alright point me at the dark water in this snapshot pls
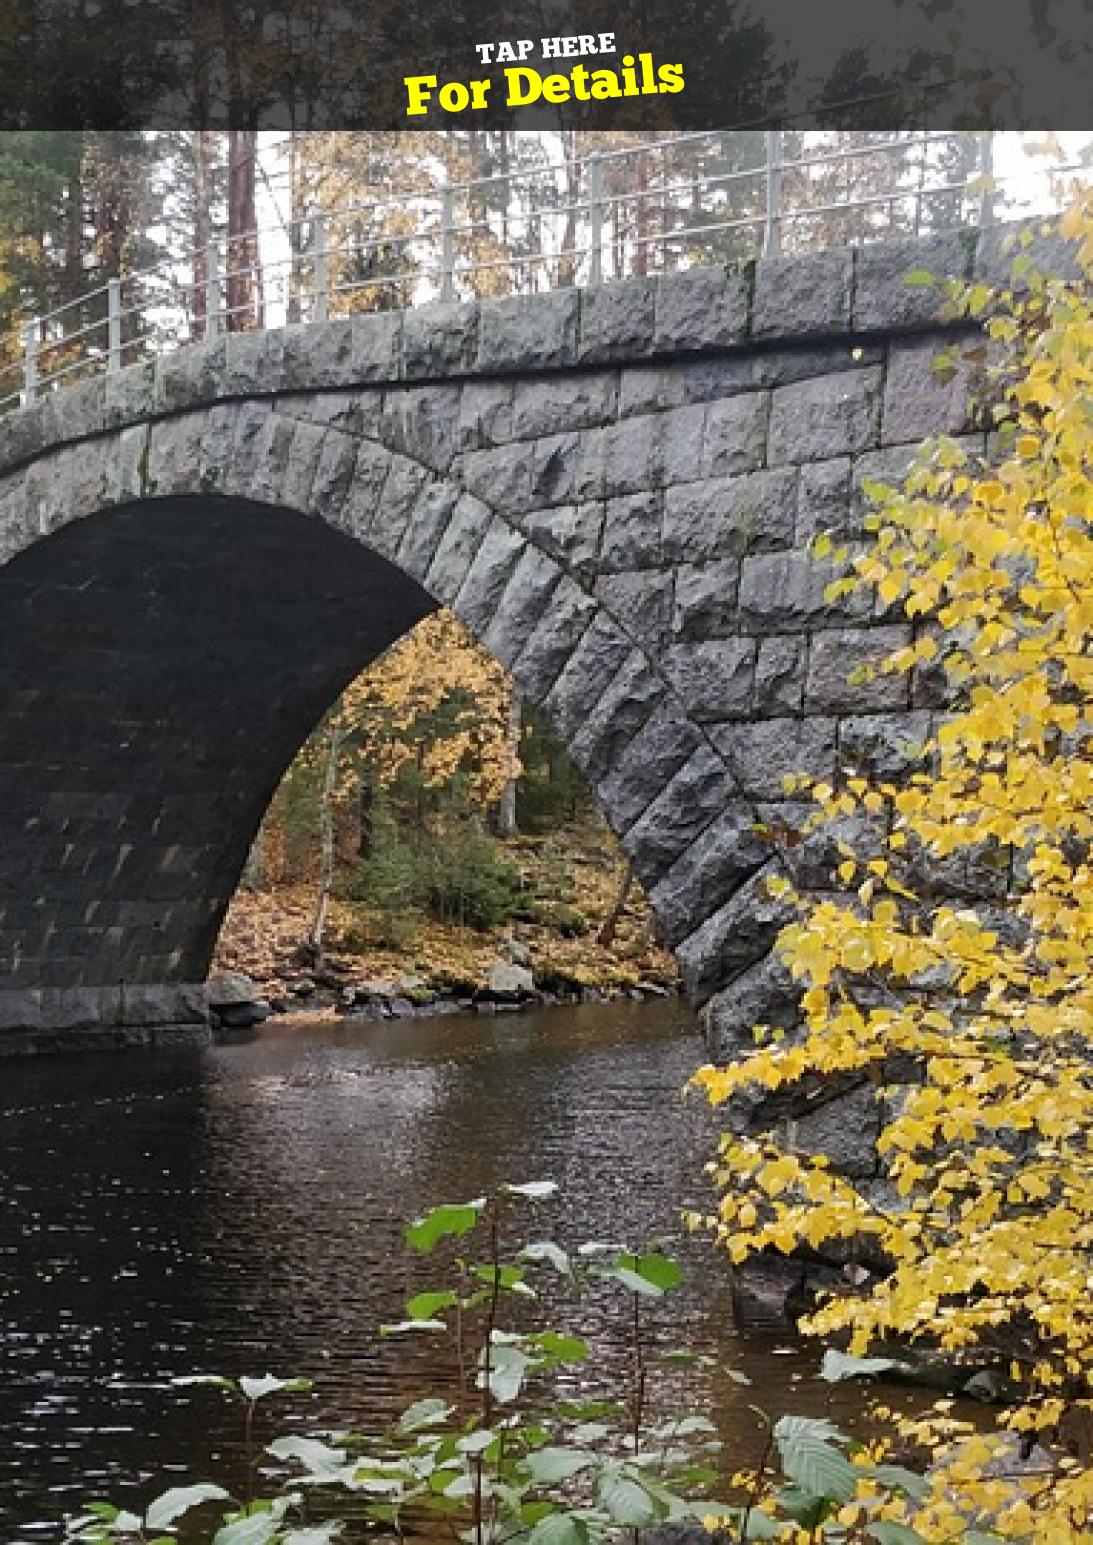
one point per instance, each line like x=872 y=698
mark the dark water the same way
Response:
x=240 y=1211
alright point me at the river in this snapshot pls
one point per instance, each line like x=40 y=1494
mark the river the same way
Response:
x=239 y=1210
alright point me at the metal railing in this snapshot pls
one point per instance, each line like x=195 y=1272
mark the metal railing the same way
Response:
x=711 y=196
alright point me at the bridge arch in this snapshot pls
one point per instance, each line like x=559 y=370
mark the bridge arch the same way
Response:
x=220 y=578
x=614 y=489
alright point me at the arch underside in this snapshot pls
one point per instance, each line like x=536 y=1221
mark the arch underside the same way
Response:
x=160 y=665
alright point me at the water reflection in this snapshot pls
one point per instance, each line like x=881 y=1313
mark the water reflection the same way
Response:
x=241 y=1209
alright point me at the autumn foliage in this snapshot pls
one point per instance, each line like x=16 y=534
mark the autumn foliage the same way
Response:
x=950 y=971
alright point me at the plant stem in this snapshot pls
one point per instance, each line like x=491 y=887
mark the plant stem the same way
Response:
x=758 y=1487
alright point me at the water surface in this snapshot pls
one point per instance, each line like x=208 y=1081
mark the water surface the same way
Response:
x=240 y=1210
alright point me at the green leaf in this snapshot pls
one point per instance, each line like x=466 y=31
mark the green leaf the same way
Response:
x=554 y=1255
x=180 y=1499
x=559 y=1529
x=919 y=278
x=476 y=1442
x=400 y=1327
x=258 y=1389
x=838 y=1366
x=809 y=1457
x=633 y=1281
x=424 y=1306
x=533 y=1190
x=443 y=1221
x=508 y=1366
x=887 y=1533
x=424 y=1413
x=560 y=1348
x=509 y=1278
x=628 y=1503
x=897 y=1478
x=659 y=1269
x=320 y=1460
x=258 y=1529
x=550 y=1465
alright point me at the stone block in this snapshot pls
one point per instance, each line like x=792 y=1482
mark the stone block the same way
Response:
x=702 y=308
x=1000 y=245
x=528 y=332
x=478 y=597
x=632 y=532
x=422 y=422
x=547 y=649
x=826 y=417
x=633 y=459
x=780 y=675
x=803 y=295
x=501 y=476
x=730 y=516
x=486 y=414
x=764 y=994
x=920 y=402
x=554 y=461
x=616 y=320
x=675 y=383
x=552 y=403
x=589 y=672
x=709 y=870
x=697 y=793
x=838 y=654
x=885 y=302
x=425 y=528
x=569 y=532
x=645 y=765
x=706 y=599
x=618 y=716
x=882 y=745
x=735 y=435
x=781 y=592
x=642 y=604
x=714 y=678
x=439 y=340
x=466 y=528
x=527 y=602
x=823 y=501
x=763 y=753
x=738 y=934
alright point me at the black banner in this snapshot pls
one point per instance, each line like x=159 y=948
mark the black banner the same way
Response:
x=610 y=64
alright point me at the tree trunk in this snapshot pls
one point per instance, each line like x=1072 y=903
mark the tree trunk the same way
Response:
x=326 y=841
x=245 y=310
x=506 y=808
x=203 y=226
x=606 y=936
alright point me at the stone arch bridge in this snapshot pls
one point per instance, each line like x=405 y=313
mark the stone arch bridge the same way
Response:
x=614 y=488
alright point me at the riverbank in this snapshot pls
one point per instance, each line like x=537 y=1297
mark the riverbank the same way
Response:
x=580 y=934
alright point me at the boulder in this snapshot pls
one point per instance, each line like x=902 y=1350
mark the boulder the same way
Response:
x=227 y=988
x=507 y=980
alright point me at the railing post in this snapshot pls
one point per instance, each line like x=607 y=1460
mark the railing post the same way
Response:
x=212 y=291
x=30 y=363
x=986 y=174
x=318 y=259
x=595 y=220
x=772 y=232
x=447 y=243
x=113 y=324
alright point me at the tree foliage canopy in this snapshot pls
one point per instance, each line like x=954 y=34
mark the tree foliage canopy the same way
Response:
x=951 y=970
